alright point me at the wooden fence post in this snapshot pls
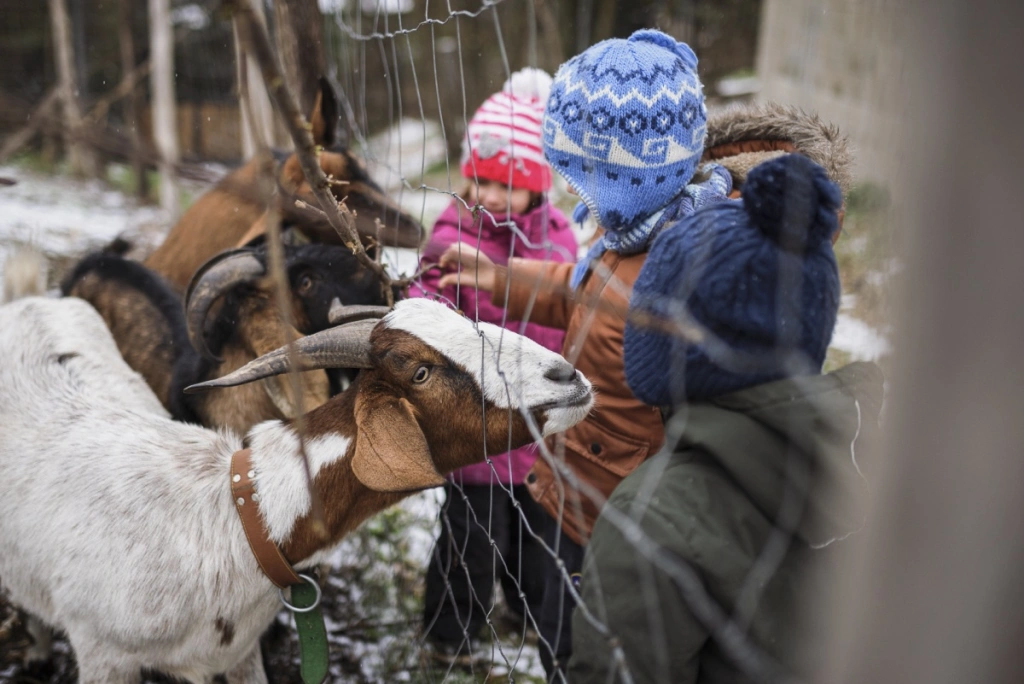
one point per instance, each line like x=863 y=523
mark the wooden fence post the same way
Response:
x=936 y=593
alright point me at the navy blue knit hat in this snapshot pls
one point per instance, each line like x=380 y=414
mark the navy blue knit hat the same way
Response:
x=625 y=125
x=758 y=274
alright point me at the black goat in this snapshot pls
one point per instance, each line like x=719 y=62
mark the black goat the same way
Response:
x=231 y=318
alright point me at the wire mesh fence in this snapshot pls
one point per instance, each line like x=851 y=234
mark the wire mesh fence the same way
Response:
x=479 y=580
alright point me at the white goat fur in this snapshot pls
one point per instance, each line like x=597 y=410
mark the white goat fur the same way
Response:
x=116 y=523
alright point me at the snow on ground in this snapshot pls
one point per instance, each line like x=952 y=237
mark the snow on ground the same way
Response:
x=859 y=340
x=402 y=157
x=64 y=217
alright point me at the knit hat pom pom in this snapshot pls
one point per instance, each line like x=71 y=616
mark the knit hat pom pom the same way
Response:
x=792 y=201
x=669 y=43
x=530 y=83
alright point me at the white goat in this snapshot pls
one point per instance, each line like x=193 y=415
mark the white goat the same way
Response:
x=117 y=524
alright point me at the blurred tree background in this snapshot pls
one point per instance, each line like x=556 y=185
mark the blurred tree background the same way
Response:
x=390 y=58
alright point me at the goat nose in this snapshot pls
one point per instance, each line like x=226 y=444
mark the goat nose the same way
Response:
x=562 y=373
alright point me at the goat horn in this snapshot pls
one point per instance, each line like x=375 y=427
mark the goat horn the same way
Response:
x=345 y=346
x=340 y=313
x=210 y=283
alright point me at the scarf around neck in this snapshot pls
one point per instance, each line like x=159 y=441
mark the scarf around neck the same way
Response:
x=636 y=238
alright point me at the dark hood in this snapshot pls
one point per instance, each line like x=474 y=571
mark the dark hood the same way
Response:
x=817 y=427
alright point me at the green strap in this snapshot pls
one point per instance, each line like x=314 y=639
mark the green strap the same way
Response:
x=312 y=632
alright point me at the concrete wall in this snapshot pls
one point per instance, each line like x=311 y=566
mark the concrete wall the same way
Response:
x=843 y=59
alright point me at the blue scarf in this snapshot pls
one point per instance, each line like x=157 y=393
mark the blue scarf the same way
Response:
x=636 y=239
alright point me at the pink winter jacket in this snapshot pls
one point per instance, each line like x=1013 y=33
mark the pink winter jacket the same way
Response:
x=549 y=239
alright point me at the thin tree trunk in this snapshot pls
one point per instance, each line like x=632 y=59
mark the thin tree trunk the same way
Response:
x=133 y=102
x=300 y=44
x=165 y=130
x=553 y=54
x=36 y=122
x=83 y=162
x=258 y=128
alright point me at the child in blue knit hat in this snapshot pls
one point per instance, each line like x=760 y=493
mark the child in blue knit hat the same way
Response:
x=625 y=126
x=761 y=470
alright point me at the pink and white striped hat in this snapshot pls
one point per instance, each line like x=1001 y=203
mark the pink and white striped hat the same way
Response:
x=503 y=139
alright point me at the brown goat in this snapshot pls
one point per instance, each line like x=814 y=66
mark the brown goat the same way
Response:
x=231 y=318
x=233 y=212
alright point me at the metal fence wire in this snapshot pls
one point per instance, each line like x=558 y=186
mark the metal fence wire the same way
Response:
x=475 y=581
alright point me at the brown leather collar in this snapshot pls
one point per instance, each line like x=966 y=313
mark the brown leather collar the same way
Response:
x=271 y=561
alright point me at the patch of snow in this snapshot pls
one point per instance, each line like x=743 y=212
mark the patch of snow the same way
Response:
x=192 y=16
x=859 y=340
x=401 y=261
x=857 y=244
x=404 y=152
x=423 y=204
x=62 y=216
x=398 y=158
x=425 y=508
x=735 y=87
x=368 y=6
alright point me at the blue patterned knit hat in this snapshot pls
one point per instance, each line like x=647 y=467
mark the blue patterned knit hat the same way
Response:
x=759 y=275
x=625 y=125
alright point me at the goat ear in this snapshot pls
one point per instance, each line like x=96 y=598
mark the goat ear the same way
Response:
x=324 y=118
x=256 y=234
x=391 y=452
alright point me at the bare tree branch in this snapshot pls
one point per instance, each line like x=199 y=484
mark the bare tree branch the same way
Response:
x=254 y=35
x=123 y=89
x=36 y=121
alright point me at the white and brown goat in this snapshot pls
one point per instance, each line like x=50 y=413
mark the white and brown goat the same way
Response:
x=117 y=524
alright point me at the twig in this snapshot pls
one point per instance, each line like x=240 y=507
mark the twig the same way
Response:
x=123 y=89
x=43 y=118
x=364 y=624
x=275 y=250
x=303 y=205
x=36 y=120
x=405 y=282
x=254 y=34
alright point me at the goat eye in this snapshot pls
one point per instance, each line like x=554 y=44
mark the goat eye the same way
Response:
x=422 y=373
x=305 y=283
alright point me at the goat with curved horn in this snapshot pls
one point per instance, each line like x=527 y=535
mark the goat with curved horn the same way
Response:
x=346 y=313
x=209 y=283
x=345 y=346
x=443 y=392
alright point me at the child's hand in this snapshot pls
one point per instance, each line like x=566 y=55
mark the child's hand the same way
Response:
x=477 y=269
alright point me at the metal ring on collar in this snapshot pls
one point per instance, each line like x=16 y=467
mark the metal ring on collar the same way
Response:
x=316 y=601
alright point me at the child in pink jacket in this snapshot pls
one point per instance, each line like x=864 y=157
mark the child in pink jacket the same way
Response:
x=507 y=178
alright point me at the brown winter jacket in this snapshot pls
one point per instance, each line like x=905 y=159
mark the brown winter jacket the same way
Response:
x=621 y=432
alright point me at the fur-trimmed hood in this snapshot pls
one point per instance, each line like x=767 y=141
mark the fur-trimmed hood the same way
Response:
x=742 y=136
